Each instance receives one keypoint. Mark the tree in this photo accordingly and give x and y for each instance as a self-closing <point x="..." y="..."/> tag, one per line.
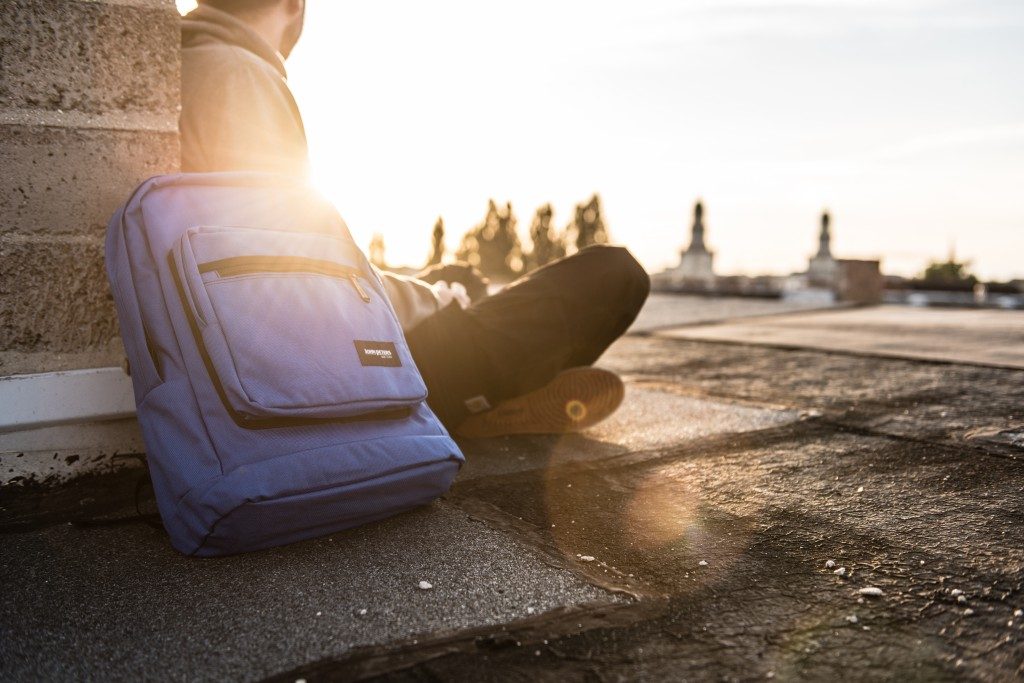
<point x="950" y="272"/>
<point x="588" y="226"/>
<point x="547" y="244"/>
<point x="437" y="246"/>
<point x="493" y="245"/>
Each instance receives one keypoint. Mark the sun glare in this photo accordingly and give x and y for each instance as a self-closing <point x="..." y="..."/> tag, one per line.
<point x="769" y="111"/>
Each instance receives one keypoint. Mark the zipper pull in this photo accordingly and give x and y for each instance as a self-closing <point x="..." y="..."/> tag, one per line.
<point x="354" y="279"/>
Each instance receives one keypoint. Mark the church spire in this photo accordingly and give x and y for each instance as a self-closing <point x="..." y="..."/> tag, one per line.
<point x="696" y="264"/>
<point x="825" y="237"/>
<point x="697" y="233"/>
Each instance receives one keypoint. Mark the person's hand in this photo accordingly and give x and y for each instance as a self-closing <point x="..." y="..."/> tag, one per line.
<point x="472" y="280"/>
<point x="447" y="292"/>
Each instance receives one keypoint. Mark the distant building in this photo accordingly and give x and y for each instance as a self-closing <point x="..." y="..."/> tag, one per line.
<point x="925" y="292"/>
<point x="829" y="279"/>
<point x="696" y="262"/>
<point x="695" y="273"/>
<point x="826" y="280"/>
<point x="823" y="269"/>
<point x="860" y="281"/>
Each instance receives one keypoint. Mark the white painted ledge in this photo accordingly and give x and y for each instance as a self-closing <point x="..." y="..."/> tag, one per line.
<point x="49" y="399"/>
<point x="53" y="455"/>
<point x="56" y="426"/>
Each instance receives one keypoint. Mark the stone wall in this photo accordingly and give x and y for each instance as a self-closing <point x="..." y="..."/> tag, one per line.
<point x="89" y="93"/>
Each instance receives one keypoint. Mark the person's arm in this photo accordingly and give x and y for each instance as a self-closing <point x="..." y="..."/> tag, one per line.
<point x="414" y="300"/>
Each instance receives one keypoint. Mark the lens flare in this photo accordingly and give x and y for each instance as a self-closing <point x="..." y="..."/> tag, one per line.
<point x="576" y="410"/>
<point x="662" y="511"/>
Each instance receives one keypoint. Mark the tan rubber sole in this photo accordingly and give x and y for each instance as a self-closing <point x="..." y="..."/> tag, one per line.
<point x="575" y="399"/>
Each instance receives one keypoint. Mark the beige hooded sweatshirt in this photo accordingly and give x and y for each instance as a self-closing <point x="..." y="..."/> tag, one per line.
<point x="237" y="114"/>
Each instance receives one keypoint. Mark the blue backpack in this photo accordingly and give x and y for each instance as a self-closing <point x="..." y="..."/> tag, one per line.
<point x="276" y="393"/>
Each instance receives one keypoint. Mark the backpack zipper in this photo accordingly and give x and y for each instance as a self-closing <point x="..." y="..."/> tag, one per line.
<point x="354" y="279"/>
<point x="245" y="420"/>
<point x="248" y="265"/>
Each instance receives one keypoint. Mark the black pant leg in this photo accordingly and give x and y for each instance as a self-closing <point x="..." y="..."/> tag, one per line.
<point x="562" y="315"/>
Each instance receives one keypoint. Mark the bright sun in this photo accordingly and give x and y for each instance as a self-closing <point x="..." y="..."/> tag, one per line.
<point x="768" y="110"/>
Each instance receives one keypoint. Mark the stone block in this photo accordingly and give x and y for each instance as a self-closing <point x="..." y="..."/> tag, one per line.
<point x="59" y="180"/>
<point x="90" y="56"/>
<point x="54" y="295"/>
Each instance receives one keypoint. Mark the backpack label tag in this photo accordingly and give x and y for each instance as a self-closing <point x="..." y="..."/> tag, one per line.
<point x="376" y="353"/>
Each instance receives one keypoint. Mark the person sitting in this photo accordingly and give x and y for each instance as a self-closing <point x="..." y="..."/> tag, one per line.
<point x="516" y="361"/>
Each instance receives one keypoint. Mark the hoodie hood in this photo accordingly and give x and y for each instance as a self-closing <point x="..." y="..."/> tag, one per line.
<point x="206" y="25"/>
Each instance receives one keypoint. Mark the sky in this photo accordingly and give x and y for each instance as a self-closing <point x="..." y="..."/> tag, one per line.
<point x="904" y="118"/>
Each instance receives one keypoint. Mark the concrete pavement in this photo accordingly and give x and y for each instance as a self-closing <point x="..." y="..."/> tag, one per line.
<point x="983" y="336"/>
<point x="686" y="539"/>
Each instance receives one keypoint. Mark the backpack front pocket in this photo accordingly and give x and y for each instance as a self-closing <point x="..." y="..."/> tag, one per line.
<point x="293" y="327"/>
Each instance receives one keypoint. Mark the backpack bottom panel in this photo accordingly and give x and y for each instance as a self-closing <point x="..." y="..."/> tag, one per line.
<point x="295" y="518"/>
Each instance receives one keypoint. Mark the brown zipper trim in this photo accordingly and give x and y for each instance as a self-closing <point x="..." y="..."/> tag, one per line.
<point x="247" y="421"/>
<point x="245" y="265"/>
<point x="248" y="265"/>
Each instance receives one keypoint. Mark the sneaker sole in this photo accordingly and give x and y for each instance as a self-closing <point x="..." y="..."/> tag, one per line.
<point x="574" y="400"/>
